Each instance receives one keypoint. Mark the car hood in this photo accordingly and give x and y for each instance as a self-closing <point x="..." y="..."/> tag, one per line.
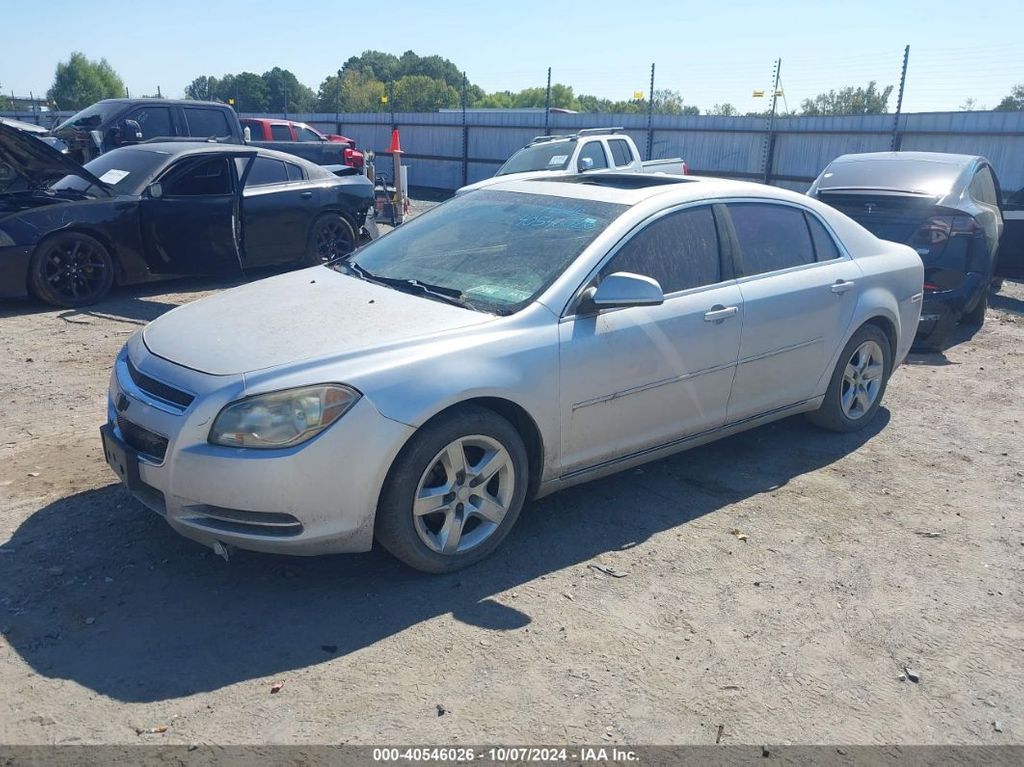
<point x="311" y="313"/>
<point x="36" y="162"/>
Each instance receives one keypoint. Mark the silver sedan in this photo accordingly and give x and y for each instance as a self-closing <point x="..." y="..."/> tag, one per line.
<point x="508" y="344"/>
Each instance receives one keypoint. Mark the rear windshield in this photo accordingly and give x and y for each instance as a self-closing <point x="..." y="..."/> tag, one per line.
<point x="552" y="155"/>
<point x="904" y="175"/>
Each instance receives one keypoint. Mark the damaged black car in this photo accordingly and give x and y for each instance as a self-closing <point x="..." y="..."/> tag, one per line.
<point x="69" y="233"/>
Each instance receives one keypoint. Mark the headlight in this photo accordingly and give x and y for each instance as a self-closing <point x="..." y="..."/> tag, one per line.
<point x="282" y="418"/>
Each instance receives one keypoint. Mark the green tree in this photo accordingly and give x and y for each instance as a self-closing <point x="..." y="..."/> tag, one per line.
<point x="419" y="93"/>
<point x="203" y="88"/>
<point x="725" y="110"/>
<point x="80" y="82"/>
<point x="249" y="91"/>
<point x="376" y="64"/>
<point x="286" y="94"/>
<point x="351" y="91"/>
<point x="5" y="103"/>
<point x="1014" y="102"/>
<point x="849" y="101"/>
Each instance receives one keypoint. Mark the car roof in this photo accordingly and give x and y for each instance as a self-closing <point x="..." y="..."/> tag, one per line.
<point x="182" y="148"/>
<point x="184" y="102"/>
<point x="624" y="189"/>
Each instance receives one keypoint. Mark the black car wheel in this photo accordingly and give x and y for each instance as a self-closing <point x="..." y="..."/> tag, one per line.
<point x="331" y="236"/>
<point x="71" y="269"/>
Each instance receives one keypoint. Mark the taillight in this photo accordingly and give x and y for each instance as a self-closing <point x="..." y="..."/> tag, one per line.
<point x="932" y="236"/>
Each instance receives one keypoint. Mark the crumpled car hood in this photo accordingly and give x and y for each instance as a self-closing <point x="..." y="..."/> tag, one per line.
<point x="297" y="316"/>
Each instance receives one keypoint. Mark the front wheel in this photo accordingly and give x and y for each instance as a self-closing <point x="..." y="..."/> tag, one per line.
<point x="330" y="236"/>
<point x="71" y="269"/>
<point x="858" y="382"/>
<point x="454" y="491"/>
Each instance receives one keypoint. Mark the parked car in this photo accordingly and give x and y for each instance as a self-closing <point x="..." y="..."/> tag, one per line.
<point x="114" y="123"/>
<point x="594" y="150"/>
<point x="945" y="206"/>
<point x="73" y="231"/>
<point x="265" y="129"/>
<point x="507" y="344"/>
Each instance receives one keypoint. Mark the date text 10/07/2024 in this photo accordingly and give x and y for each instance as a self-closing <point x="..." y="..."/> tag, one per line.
<point x="538" y="754"/>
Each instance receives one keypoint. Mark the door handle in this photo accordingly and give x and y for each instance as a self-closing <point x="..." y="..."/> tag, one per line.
<point x="841" y="286"/>
<point x="719" y="313"/>
<point x="306" y="195"/>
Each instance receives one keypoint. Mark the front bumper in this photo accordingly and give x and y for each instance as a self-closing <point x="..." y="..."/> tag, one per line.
<point x="317" y="498"/>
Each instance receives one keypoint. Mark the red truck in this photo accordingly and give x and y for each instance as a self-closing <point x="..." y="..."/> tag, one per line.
<point x="263" y="129"/>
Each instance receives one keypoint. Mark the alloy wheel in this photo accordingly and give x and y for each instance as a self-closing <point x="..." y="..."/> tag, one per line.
<point x="464" y="494"/>
<point x="862" y="380"/>
<point x="333" y="239"/>
<point x="75" y="270"/>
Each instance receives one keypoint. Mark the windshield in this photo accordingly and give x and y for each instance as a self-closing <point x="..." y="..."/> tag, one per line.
<point x="93" y="116"/>
<point x="497" y="250"/>
<point x="125" y="171"/>
<point x="553" y="155"/>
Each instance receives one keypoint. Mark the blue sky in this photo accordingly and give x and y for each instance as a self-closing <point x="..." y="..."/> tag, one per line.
<point x="710" y="52"/>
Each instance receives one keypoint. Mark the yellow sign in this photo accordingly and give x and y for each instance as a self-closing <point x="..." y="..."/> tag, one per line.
<point x="778" y="93"/>
<point x="758" y="94"/>
<point x="638" y="95"/>
<point x="231" y="102"/>
<point x="383" y="99"/>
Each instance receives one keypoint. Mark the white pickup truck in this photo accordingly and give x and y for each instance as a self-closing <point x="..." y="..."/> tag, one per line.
<point x="594" y="150"/>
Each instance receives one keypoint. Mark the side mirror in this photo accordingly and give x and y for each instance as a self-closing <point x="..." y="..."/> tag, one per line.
<point x="585" y="164"/>
<point x="623" y="289"/>
<point x="155" y="190"/>
<point x="129" y="132"/>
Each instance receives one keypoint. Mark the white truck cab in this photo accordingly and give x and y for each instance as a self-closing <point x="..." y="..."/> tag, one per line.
<point x="594" y="150"/>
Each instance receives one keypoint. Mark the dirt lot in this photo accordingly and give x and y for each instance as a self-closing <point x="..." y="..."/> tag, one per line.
<point x="899" y="546"/>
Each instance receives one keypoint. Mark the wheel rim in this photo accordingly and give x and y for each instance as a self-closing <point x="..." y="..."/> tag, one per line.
<point x="862" y="380"/>
<point x="332" y="239"/>
<point x="74" y="269"/>
<point x="464" y="494"/>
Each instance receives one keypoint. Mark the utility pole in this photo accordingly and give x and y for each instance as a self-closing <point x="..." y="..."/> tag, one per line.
<point x="465" y="134"/>
<point x="650" y="117"/>
<point x="547" y="106"/>
<point x="769" y="153"/>
<point x="391" y="104"/>
<point x="896" y="141"/>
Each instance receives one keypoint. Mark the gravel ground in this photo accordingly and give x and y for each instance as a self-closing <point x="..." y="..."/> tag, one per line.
<point x="777" y="583"/>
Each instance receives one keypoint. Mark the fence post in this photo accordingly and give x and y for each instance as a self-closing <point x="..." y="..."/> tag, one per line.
<point x="897" y="138"/>
<point x="650" y="117"/>
<point x="465" y="136"/>
<point x="769" y="150"/>
<point x="547" y="107"/>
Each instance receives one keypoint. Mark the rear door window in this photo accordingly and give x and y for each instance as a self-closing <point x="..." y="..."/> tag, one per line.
<point x="154" y="121"/>
<point x="294" y="171"/>
<point x="679" y="250"/>
<point x="621" y="153"/>
<point x="771" y="237"/>
<point x="206" y="123"/>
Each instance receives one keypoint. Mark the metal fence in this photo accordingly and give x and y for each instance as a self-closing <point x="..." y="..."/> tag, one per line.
<point x="445" y="150"/>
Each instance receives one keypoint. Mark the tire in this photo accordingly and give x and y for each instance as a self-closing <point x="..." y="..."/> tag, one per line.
<point x="70" y="269"/>
<point x="976" y="316"/>
<point x="330" y="236"/>
<point x="848" y="375"/>
<point x="428" y="468"/>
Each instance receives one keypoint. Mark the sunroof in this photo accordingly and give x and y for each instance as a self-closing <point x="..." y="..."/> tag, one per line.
<point x="619" y="180"/>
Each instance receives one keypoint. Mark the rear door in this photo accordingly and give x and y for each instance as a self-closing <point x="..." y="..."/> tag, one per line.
<point x="799" y="292"/>
<point x="1010" y="262"/>
<point x="189" y="220"/>
<point x="278" y="207"/>
<point x="636" y="378"/>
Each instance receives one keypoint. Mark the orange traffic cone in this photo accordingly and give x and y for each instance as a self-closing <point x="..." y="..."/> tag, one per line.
<point x="396" y="143"/>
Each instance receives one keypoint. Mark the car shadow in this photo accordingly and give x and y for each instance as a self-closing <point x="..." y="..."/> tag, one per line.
<point x="100" y="591"/>
<point x="1005" y="303"/>
<point x="137" y="304"/>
